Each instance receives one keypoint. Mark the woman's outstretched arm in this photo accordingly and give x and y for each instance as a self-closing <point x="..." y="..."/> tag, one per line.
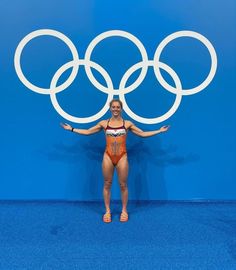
<point x="89" y="131"/>
<point x="145" y="134"/>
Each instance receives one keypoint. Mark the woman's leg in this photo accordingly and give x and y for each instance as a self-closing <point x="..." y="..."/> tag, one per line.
<point x="108" y="171"/>
<point x="122" y="171"/>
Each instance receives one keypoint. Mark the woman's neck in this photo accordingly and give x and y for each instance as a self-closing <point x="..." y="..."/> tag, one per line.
<point x="116" y="118"/>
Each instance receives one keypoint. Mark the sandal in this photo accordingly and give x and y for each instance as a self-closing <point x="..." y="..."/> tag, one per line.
<point x="107" y="217"/>
<point x="124" y="217"/>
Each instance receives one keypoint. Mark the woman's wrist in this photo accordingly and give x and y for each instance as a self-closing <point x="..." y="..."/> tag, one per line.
<point x="72" y="129"/>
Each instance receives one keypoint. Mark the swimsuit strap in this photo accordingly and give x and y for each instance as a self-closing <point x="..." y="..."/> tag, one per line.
<point x="108" y="123"/>
<point x="124" y="123"/>
<point x="112" y="127"/>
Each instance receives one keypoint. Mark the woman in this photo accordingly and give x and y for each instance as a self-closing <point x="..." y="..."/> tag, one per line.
<point x="115" y="155"/>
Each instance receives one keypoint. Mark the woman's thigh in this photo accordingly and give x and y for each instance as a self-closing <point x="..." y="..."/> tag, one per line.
<point x="122" y="169"/>
<point x="107" y="168"/>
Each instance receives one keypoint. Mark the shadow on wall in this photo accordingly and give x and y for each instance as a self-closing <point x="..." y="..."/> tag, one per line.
<point x="85" y="157"/>
<point x="148" y="161"/>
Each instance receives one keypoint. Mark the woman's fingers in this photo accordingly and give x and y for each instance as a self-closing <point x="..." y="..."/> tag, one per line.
<point x="65" y="125"/>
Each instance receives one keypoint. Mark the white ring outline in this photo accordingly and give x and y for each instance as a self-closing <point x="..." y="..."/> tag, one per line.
<point x="53" y="92"/>
<point x="22" y="44"/>
<point x="170" y="112"/>
<point x="130" y="37"/>
<point x="208" y="45"/>
<point x="122" y="90"/>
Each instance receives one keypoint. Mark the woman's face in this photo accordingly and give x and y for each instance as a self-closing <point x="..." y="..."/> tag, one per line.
<point x="115" y="108"/>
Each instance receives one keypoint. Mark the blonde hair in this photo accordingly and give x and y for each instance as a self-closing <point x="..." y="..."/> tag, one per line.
<point x="116" y="100"/>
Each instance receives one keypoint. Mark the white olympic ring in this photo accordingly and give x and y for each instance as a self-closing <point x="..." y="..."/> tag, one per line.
<point x="45" y="32"/>
<point x="210" y="48"/>
<point x="109" y="89"/>
<point x="132" y="38"/>
<point x="53" y="92"/>
<point x="172" y="109"/>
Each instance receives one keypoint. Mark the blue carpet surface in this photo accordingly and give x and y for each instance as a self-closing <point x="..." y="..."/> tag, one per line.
<point x="159" y="235"/>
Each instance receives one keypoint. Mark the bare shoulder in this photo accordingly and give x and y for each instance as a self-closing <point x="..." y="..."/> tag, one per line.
<point x="103" y="123"/>
<point x="128" y="124"/>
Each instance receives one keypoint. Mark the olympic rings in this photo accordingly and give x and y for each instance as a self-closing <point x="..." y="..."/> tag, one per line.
<point x="109" y="89"/>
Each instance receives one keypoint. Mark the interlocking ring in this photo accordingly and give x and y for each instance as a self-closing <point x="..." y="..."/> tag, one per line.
<point x="208" y="45"/>
<point x="109" y="89"/>
<point x="171" y="111"/>
<point x="139" y="45"/>
<point x="55" y="79"/>
<point x="29" y="37"/>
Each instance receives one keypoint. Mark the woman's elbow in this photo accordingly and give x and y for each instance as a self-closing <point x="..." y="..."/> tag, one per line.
<point x="141" y="134"/>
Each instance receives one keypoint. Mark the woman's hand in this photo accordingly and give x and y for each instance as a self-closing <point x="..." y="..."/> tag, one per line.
<point x="66" y="126"/>
<point x="164" y="128"/>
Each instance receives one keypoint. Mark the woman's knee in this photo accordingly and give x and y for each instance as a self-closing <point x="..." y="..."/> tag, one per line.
<point x="123" y="186"/>
<point x="107" y="184"/>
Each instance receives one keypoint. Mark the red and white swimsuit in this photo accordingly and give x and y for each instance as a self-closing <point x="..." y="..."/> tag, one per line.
<point x="115" y="142"/>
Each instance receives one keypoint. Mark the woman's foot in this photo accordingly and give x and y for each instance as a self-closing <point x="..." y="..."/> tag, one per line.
<point x="124" y="217"/>
<point x="107" y="217"/>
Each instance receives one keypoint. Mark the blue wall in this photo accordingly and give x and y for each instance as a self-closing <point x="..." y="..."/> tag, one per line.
<point x="194" y="160"/>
